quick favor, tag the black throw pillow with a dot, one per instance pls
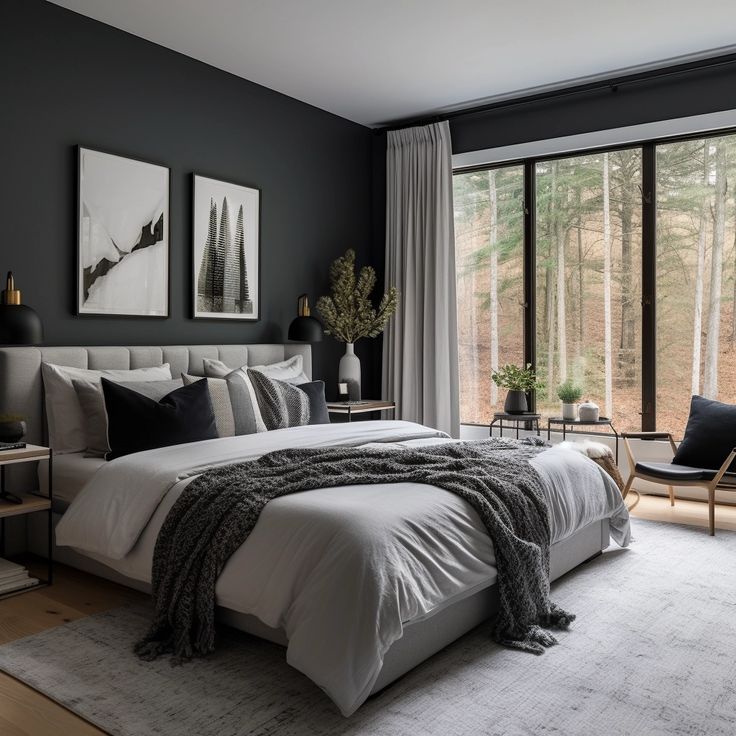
(710, 435)
(136, 423)
(315, 391)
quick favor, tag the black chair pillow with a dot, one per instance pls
(136, 423)
(710, 435)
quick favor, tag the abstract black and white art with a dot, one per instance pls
(123, 248)
(226, 250)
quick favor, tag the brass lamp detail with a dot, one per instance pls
(19, 324)
(11, 295)
(305, 328)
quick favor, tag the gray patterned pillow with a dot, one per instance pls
(281, 404)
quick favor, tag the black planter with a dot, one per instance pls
(515, 402)
(12, 431)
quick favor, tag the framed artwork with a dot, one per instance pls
(226, 250)
(123, 236)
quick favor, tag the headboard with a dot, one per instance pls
(21, 387)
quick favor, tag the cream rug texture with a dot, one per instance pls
(653, 651)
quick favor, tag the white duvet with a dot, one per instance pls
(340, 570)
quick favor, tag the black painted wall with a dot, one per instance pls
(67, 80)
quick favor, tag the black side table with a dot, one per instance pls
(513, 420)
(602, 421)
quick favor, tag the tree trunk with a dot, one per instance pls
(710, 380)
(627, 358)
(700, 276)
(581, 287)
(608, 357)
(549, 278)
(493, 262)
(560, 239)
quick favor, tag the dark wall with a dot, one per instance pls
(67, 80)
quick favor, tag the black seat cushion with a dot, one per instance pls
(710, 435)
(136, 423)
(674, 473)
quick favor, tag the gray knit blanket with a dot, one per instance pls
(217, 511)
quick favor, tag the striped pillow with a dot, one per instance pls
(234, 402)
(281, 405)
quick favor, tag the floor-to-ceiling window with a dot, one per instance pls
(591, 249)
(489, 230)
(588, 246)
(696, 276)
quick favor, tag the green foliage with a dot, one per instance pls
(348, 313)
(7, 418)
(513, 378)
(569, 392)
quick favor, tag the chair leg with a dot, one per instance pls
(712, 511)
(628, 485)
(672, 495)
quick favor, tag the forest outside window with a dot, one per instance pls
(590, 251)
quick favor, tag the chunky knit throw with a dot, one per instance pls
(217, 511)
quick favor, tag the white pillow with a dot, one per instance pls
(64, 413)
(288, 371)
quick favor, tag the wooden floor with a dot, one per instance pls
(74, 595)
(25, 712)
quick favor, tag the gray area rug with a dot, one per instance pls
(651, 652)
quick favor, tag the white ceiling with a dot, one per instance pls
(377, 61)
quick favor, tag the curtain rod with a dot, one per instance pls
(611, 84)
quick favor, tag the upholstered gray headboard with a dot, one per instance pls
(21, 388)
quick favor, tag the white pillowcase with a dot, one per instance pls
(288, 371)
(64, 414)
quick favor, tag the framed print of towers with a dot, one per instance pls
(123, 236)
(226, 250)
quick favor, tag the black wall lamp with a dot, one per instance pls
(19, 324)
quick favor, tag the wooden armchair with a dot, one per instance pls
(671, 474)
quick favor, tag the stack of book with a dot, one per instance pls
(14, 577)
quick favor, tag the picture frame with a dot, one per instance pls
(226, 257)
(123, 236)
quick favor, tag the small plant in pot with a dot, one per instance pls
(12, 427)
(569, 394)
(519, 382)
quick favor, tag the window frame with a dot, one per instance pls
(648, 147)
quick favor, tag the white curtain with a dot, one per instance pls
(420, 362)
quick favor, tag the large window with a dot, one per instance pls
(633, 288)
(489, 254)
(588, 281)
(696, 288)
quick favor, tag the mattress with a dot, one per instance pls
(71, 473)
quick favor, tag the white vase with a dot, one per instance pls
(569, 411)
(349, 372)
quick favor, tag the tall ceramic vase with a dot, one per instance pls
(349, 372)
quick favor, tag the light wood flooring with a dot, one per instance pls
(25, 712)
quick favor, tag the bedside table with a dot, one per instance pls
(30, 503)
(359, 407)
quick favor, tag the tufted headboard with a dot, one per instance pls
(21, 387)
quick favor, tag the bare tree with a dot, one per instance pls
(561, 238)
(493, 268)
(607, 340)
(700, 276)
(710, 379)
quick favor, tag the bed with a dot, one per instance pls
(294, 581)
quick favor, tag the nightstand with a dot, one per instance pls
(30, 503)
(359, 407)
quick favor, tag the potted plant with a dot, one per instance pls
(348, 314)
(519, 382)
(12, 427)
(569, 394)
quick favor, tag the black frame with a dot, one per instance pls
(211, 316)
(649, 253)
(77, 304)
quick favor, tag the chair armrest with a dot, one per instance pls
(647, 437)
(724, 468)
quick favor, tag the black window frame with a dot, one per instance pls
(648, 149)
